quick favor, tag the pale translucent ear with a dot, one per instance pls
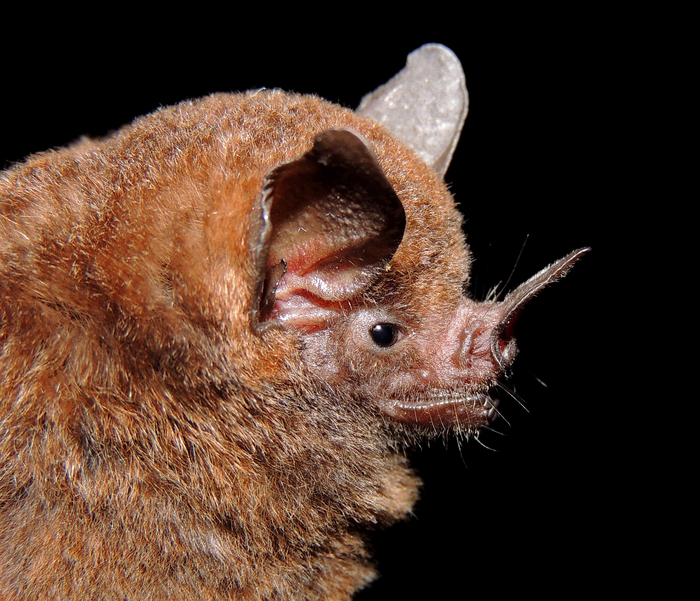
(424, 105)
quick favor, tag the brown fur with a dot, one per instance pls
(153, 445)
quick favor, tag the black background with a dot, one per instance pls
(536, 509)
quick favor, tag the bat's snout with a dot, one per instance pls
(503, 345)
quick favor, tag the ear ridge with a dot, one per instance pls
(424, 105)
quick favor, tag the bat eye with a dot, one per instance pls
(384, 334)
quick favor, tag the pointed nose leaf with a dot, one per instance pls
(503, 346)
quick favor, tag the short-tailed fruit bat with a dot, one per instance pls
(220, 328)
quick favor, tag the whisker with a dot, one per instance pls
(488, 448)
(543, 383)
(510, 277)
(493, 293)
(503, 417)
(514, 395)
(493, 430)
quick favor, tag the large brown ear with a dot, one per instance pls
(328, 223)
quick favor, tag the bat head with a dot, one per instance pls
(366, 262)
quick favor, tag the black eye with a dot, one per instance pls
(384, 334)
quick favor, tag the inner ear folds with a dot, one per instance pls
(331, 218)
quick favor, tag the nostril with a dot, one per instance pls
(504, 349)
(508, 351)
(499, 345)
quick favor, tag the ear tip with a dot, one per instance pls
(339, 137)
(435, 53)
(445, 66)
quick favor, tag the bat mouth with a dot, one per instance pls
(468, 411)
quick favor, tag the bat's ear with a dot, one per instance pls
(424, 105)
(328, 223)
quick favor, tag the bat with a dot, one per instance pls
(222, 326)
